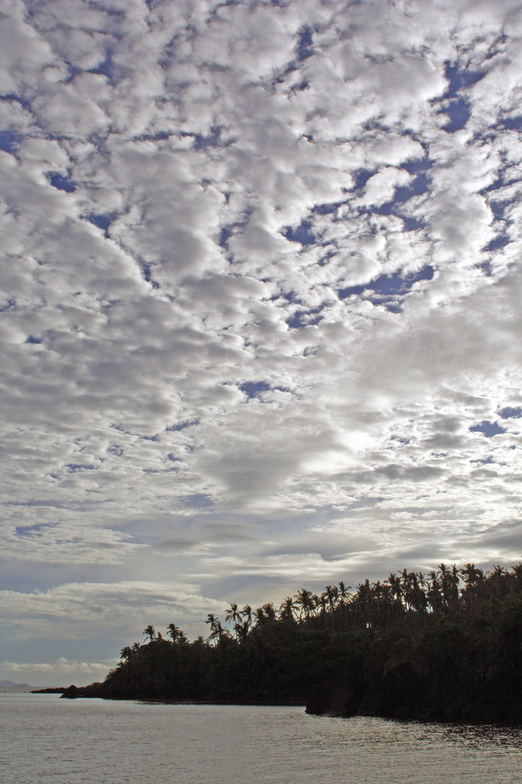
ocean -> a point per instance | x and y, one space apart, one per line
45 739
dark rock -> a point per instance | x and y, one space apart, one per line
71 693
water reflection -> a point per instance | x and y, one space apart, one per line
485 735
97 742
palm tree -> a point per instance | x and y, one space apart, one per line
332 595
343 592
216 630
434 592
233 614
286 611
363 602
241 630
172 631
471 574
305 600
149 632
176 634
496 581
414 595
344 599
395 584
269 611
246 613
396 591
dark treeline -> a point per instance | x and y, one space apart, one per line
442 646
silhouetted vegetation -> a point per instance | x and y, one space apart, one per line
442 646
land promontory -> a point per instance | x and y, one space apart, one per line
445 646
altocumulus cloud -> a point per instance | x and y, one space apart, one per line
260 302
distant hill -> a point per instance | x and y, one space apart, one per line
11 686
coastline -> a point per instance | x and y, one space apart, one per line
337 701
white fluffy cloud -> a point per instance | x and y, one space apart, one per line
259 293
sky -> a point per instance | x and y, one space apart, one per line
260 318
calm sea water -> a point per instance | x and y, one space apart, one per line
45 739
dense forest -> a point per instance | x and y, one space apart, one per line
445 646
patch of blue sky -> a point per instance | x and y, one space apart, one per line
74 467
459 112
102 221
213 139
484 461
418 186
159 136
147 269
305 44
389 285
30 531
486 268
502 179
182 425
114 72
328 207
301 233
298 88
459 79
228 230
361 177
512 123
290 296
33 339
224 236
498 208
498 242
20 99
254 388
411 224
457 106
510 413
8 141
402 194
62 183
489 429
304 318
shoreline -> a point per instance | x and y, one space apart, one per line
473 714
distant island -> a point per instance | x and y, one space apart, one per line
6 687
442 646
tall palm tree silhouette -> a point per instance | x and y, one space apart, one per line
305 600
246 614
149 632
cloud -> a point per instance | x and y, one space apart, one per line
75 611
61 667
260 274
